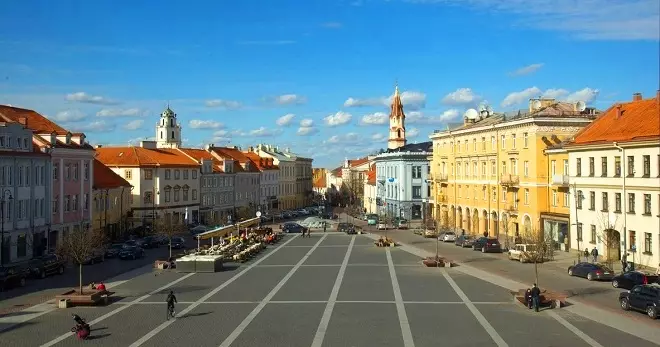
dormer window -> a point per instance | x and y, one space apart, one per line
68 138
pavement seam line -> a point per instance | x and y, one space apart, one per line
117 310
183 312
250 317
406 333
586 338
330 305
499 341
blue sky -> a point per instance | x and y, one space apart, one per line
315 75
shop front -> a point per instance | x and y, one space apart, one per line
556 230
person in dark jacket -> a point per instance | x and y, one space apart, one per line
528 298
536 297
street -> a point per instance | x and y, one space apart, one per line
330 289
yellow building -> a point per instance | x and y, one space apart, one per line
112 202
490 175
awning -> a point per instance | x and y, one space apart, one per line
224 231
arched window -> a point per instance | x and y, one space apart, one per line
171 124
398 133
161 135
172 134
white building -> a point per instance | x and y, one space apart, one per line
269 182
246 182
370 192
168 130
615 174
287 174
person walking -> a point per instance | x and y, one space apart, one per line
586 254
536 297
594 254
624 263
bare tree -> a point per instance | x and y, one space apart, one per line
169 229
535 249
79 245
474 227
450 222
609 237
506 228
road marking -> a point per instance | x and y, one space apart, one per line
12 319
480 317
329 307
241 327
165 324
119 309
322 302
408 340
586 338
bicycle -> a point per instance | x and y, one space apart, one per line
170 311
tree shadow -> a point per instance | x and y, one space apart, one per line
96 337
189 315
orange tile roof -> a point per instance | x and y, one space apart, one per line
199 154
262 162
320 179
143 157
631 121
338 172
371 175
105 178
238 156
358 162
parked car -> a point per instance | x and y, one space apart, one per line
131 252
97 256
178 243
11 278
113 250
402 223
591 271
346 228
291 227
429 233
464 241
643 298
372 219
449 236
130 243
382 225
47 265
149 242
523 253
633 278
487 245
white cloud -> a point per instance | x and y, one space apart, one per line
417 117
517 98
410 99
205 124
378 118
221 133
134 125
290 99
378 137
555 93
587 95
219 103
306 123
307 131
526 70
68 116
412 132
117 112
285 120
339 118
587 20
350 138
260 132
85 98
461 97
93 127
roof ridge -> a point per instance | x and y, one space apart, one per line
137 157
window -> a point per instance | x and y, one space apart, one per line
485 193
74 203
526 168
632 239
565 167
579 232
503 141
648 245
617 166
553 167
67 172
128 174
494 194
592 168
493 145
603 166
417 192
168 195
474 144
19 178
503 167
55 204
631 202
646 159
578 167
580 197
168 174
185 195
526 196
67 203
194 194
148 174
483 143
185 174
647 204
631 166
177 174
86 173
593 234
554 198
514 167
416 172
493 167
617 202
525 140
21 246
483 168
606 204
513 141
592 201
567 201
148 198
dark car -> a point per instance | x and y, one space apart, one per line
148 242
131 243
346 228
178 243
47 265
487 245
591 271
643 298
632 278
292 228
11 278
464 241
131 252
97 256
113 250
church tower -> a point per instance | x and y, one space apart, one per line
168 131
397 123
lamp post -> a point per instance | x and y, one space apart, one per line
577 223
2 223
155 193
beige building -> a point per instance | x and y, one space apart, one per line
112 202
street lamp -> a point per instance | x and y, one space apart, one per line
2 222
153 211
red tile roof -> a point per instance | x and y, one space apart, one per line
143 157
105 178
358 162
371 175
338 171
320 179
262 162
199 154
631 121
238 156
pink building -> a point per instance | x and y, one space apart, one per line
70 172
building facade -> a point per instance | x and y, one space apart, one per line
319 181
287 174
303 172
269 181
370 192
246 181
491 174
112 202
24 184
614 167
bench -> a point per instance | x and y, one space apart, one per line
547 299
73 298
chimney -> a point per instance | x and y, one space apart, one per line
23 121
99 146
618 111
250 149
637 96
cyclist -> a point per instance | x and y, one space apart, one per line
171 300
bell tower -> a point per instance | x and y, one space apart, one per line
168 131
397 122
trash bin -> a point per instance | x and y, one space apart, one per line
63 303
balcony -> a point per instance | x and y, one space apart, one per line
509 180
441 177
511 209
560 180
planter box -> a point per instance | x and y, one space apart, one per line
203 263
73 297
